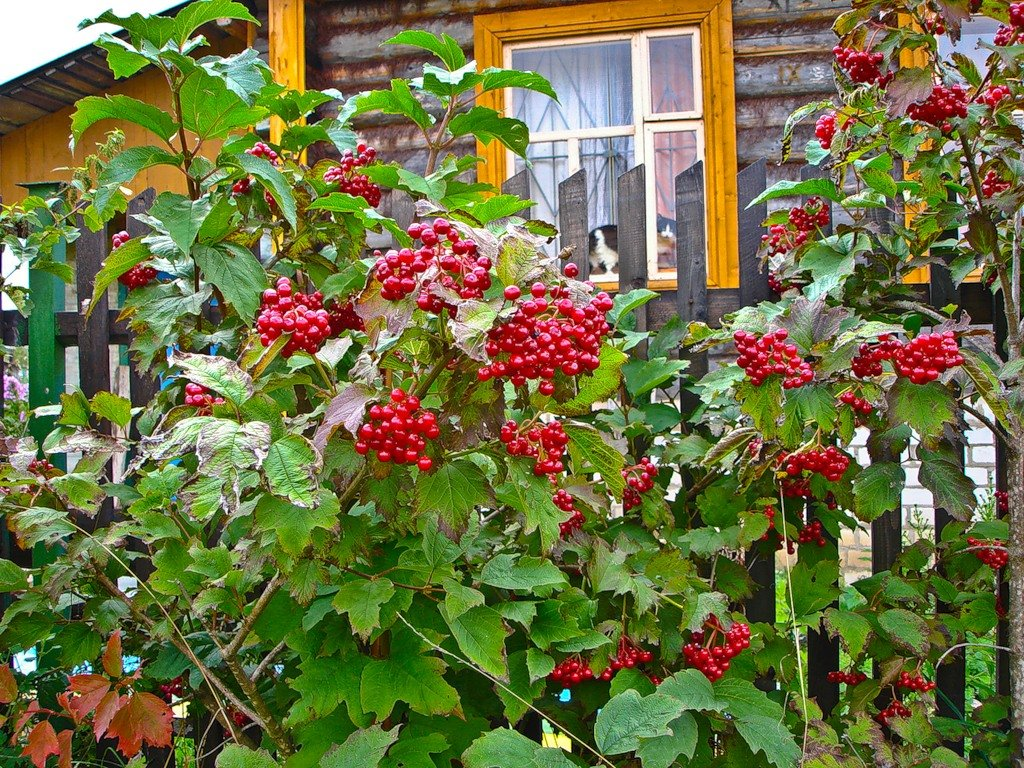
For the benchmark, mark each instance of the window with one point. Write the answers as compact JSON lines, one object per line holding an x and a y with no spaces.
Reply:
{"x":638,"y":82}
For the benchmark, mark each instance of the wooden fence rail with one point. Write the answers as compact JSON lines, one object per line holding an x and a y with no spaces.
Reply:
{"x":52,"y":328}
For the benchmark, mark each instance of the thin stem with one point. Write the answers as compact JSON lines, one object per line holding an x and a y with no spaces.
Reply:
{"x":796,"y":631}
{"x":243,"y":630}
{"x":264,"y":665}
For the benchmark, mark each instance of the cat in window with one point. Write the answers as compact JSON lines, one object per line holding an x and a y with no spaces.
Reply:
{"x":604,"y":248}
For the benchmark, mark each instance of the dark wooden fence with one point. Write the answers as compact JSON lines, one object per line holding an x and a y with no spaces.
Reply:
{"x":53,"y":328}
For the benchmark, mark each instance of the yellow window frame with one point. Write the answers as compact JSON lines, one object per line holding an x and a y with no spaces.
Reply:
{"x":493,"y":32}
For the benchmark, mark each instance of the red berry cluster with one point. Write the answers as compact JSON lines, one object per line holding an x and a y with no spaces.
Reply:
{"x":868,"y":361}
{"x":1002,"y":501}
{"x":925,"y":357}
{"x":994,"y":94}
{"x":914,"y":683}
{"x":199,"y":397}
{"x":544,"y":337}
{"x":830,"y":463}
{"x":565,"y":502}
{"x":812,"y":533}
{"x":398,"y":431}
{"x":711,"y":658}
{"x":769,"y":512}
{"x":571,"y":672}
{"x":993,"y":185}
{"x":628,"y":656}
{"x":1017,"y":15}
{"x":850,"y":678}
{"x":991,"y":553}
{"x":803,"y":219}
{"x":348,"y":178}
{"x":40,"y":467}
{"x":1005,"y":35}
{"x":860,"y":406}
{"x":944,"y":103}
{"x":776,"y":284}
{"x":935,"y":25}
{"x":138,"y":276}
{"x":764,"y":356}
{"x":639,"y":479}
{"x":862,"y":66}
{"x":450,"y":261}
{"x":825,"y":129}
{"x":896,"y":708}
{"x":298,"y":314}
{"x":545,"y":443}
{"x":175,"y":687}
{"x":244,"y":186}
{"x":240,"y":719}
{"x":343,"y":318}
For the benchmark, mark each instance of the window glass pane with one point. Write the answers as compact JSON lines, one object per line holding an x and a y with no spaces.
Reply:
{"x":978,"y":28}
{"x":672,"y":74}
{"x":593,"y":81}
{"x":673,"y":153}
{"x":550,"y":166}
{"x":605,"y":160}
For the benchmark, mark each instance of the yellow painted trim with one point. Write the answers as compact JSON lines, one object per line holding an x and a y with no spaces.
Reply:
{"x":492,"y":32}
{"x":286,"y":34}
{"x":916,"y":58}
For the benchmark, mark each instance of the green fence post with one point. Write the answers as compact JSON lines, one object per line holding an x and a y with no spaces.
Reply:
{"x":45,"y":353}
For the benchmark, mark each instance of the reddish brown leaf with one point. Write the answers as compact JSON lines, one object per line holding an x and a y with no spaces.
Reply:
{"x":42,"y":742}
{"x":113,"y":664}
{"x":64,"y":739}
{"x":23,"y":718}
{"x":8,"y":685}
{"x":91,"y":690}
{"x":142,"y":719}
{"x":105,"y":712}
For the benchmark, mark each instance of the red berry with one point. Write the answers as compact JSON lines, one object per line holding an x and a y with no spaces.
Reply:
{"x":199,"y":397}
{"x":825,"y":129}
{"x":862,"y":66}
{"x":544,"y":443}
{"x":770,"y":354}
{"x":639,"y":479}
{"x":941,"y":105}
{"x":350,"y":180}
{"x":300,"y":316}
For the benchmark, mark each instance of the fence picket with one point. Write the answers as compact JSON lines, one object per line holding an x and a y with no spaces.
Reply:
{"x":573,"y":222}
{"x":751,"y":182}
{"x":141,"y":386}
{"x":518,"y":185}
{"x":691,"y":265}
{"x":632,"y":239}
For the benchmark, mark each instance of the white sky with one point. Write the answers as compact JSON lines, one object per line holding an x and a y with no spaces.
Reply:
{"x":35,"y":32}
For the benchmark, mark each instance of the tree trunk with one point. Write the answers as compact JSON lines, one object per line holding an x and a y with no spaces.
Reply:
{"x":1015,"y":610}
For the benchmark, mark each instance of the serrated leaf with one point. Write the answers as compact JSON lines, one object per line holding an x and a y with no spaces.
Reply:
{"x":194,"y":15}
{"x":877,"y":489}
{"x":12,"y":577}
{"x":663,"y":751}
{"x":292,"y":525}
{"x":362,"y":749}
{"x":538,"y":663}
{"x":445,"y":47}
{"x":691,"y":689}
{"x":925,"y":408}
{"x":852,"y":629}
{"x":825,"y":188}
{"x":92,"y":109}
{"x":905,"y":629}
{"x":407,"y":676}
{"x":531,"y":496}
{"x":236,"y":273}
{"x":347,"y":409}
{"x":942,"y":473}
{"x":291,"y":468}
{"x":480,"y":633}
{"x":595,"y":388}
{"x":770,"y":735}
{"x":128,"y":163}
{"x":272,"y":180}
{"x":235,"y":756}
{"x":118,"y":261}
{"x":591,"y":453}
{"x":218,"y":374}
{"x":505,"y":748}
{"x":113,"y":408}
{"x":211,"y":110}
{"x":397,"y":101}
{"x":452,"y":492}
{"x":143,"y":719}
{"x":526,"y":573}
{"x":627,"y":718}
{"x":361,"y":600}
{"x":641,"y":376}
{"x":487,"y":125}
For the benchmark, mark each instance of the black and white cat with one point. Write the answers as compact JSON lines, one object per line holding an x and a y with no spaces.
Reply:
{"x":604,"y":248}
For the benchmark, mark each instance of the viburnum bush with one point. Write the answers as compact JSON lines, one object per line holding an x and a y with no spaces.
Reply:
{"x":392,"y":504}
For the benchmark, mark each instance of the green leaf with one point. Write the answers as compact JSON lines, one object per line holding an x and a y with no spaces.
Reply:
{"x":942,"y":473}
{"x":624,"y":303}
{"x":122,"y":58}
{"x":361,"y":600}
{"x":362,"y":749}
{"x":74,"y":409}
{"x":113,"y":408}
{"x":627,"y":718}
{"x":446,"y":48}
{"x":291,"y":467}
{"x":410,"y":677}
{"x":118,"y":261}
{"x":925,"y":408}
{"x":92,"y":109}
{"x":493,"y":79}
{"x":770,"y":735}
{"x":245,"y":73}
{"x":505,"y":748}
{"x":662,"y":751}
{"x":236,"y":272}
{"x":12,"y":577}
{"x":531,"y":496}
{"x":691,"y":689}
{"x":814,"y":588}
{"x":321,"y":686}
{"x":398,"y":101}
{"x":905,"y":629}
{"x":825,"y":188}
{"x":218,"y":374}
{"x":526,"y":573}
{"x":595,"y":388}
{"x":588,"y":449}
{"x":487,"y":125}
{"x":272,"y":180}
{"x":878,"y":489}
{"x":642,"y":376}
{"x":211,"y":110}
{"x":127,"y":164}
{"x":538,"y":663}
{"x":234,"y":756}
{"x":851,"y":628}
{"x":293,"y":525}
{"x":181,"y":217}
{"x":763,"y":404}
{"x":195,"y":14}
{"x":452,"y":492}
{"x":458,"y":598}
{"x":480,"y":633}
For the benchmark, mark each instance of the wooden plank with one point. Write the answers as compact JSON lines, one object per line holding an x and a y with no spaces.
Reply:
{"x":691,"y":263}
{"x":573,"y":221}
{"x":750,"y":183}
{"x":632,"y":239}
{"x":518,"y":185}
{"x":286,"y":35}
